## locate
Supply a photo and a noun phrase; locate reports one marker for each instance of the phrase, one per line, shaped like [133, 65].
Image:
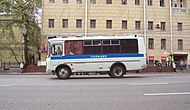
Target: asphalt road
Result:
[100, 92]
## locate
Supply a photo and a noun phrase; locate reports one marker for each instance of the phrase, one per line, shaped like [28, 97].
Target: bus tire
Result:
[117, 71]
[63, 72]
[109, 73]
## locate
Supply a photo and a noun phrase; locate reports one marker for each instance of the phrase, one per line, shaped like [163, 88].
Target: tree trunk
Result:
[26, 48]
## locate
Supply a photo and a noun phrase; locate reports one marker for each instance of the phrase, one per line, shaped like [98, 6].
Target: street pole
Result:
[145, 23]
[86, 18]
[171, 29]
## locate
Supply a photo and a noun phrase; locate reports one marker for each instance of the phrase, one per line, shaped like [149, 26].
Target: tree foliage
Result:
[24, 14]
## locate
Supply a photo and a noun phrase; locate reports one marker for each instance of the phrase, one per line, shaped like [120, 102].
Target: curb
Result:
[18, 73]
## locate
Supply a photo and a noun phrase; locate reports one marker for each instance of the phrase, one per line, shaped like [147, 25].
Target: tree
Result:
[24, 13]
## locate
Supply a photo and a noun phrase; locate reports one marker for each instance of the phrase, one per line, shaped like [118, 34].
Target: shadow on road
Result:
[99, 77]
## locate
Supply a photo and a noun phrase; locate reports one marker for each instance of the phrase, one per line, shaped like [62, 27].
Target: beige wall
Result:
[5, 54]
[117, 12]
[99, 11]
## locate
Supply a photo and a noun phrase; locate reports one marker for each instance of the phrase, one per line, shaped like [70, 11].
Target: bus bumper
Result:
[49, 71]
[143, 66]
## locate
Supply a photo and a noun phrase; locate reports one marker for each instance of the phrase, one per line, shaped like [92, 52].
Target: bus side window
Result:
[78, 47]
[92, 47]
[67, 48]
[73, 48]
[129, 46]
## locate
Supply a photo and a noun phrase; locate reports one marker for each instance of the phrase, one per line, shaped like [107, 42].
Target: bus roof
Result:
[93, 38]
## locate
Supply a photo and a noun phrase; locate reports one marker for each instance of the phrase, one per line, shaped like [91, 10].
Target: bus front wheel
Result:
[117, 71]
[63, 72]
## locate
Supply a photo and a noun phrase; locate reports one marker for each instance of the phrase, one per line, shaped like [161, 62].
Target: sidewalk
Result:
[184, 71]
[7, 72]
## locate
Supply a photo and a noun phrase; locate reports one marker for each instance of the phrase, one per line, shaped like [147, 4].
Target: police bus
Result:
[113, 55]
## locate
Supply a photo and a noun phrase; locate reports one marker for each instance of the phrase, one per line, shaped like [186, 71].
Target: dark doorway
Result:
[178, 57]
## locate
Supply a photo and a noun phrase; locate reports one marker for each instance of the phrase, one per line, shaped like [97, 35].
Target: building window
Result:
[109, 24]
[79, 23]
[180, 44]
[163, 44]
[150, 43]
[179, 27]
[92, 23]
[137, 2]
[65, 23]
[164, 60]
[108, 1]
[51, 1]
[163, 26]
[171, 3]
[79, 1]
[51, 23]
[150, 25]
[92, 1]
[149, 2]
[137, 25]
[162, 3]
[151, 60]
[124, 24]
[124, 2]
[65, 1]
[175, 5]
[181, 3]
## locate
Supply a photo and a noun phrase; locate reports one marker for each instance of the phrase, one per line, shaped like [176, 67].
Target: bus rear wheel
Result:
[117, 71]
[63, 72]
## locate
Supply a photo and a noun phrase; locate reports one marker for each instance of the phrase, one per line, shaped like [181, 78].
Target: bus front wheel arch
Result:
[63, 72]
[117, 71]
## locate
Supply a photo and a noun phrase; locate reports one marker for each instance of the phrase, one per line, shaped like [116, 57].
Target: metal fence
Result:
[6, 65]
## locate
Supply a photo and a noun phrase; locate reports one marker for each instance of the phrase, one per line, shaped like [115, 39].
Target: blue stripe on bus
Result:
[96, 56]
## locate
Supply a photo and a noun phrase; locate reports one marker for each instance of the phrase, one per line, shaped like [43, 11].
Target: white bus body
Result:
[113, 55]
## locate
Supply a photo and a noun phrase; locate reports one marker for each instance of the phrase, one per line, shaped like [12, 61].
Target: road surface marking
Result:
[162, 94]
[5, 85]
[143, 84]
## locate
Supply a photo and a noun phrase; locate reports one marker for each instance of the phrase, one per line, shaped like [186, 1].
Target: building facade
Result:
[11, 46]
[165, 24]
